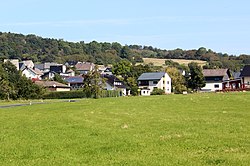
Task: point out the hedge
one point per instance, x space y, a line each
78 94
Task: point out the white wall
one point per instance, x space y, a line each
168 84
62 89
29 74
145 92
109 87
247 82
210 87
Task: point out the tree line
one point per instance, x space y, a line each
41 49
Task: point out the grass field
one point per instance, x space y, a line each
161 62
197 129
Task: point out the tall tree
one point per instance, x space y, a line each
93 83
122 68
177 80
196 79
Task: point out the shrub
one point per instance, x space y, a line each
157 92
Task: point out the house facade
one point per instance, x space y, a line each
84 67
31 73
147 82
216 79
113 83
245 75
75 82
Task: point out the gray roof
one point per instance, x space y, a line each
151 76
74 79
246 71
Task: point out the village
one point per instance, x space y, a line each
216 80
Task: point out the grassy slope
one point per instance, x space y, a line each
200 129
161 62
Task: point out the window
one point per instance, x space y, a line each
216 85
167 82
155 82
216 79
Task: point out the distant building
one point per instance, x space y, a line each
113 83
75 82
147 82
84 67
15 62
53 85
220 79
58 68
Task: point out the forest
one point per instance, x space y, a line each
41 50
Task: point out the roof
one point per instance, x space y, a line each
214 72
51 84
74 79
39 66
151 76
87 66
35 71
114 81
48 64
28 63
39 72
246 71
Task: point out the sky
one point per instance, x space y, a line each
220 25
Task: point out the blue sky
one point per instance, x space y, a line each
221 25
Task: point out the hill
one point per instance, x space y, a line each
41 49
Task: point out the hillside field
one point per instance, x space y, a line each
194 129
161 62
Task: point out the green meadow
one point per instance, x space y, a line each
195 129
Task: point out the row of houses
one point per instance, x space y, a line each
216 79
42 74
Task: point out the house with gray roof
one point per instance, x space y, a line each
215 79
147 82
114 83
75 82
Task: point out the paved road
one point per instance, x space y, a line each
32 103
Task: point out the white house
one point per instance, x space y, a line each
216 79
156 80
31 73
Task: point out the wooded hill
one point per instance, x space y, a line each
41 49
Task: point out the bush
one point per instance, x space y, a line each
157 92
